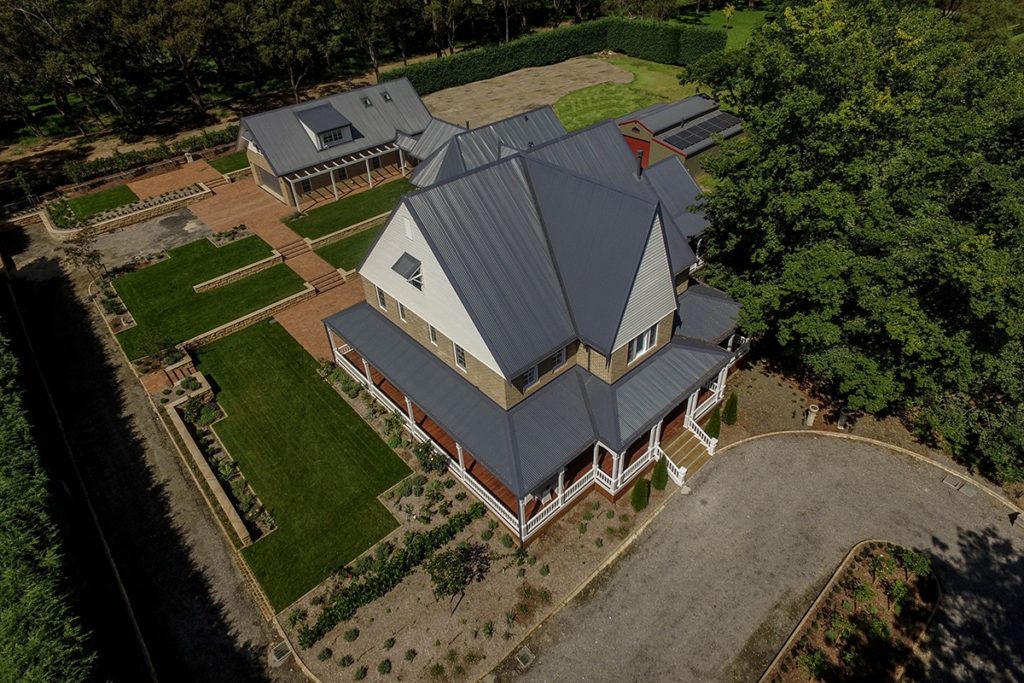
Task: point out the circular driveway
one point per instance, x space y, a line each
715 585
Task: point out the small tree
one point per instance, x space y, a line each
641 495
895 592
659 478
453 570
728 11
813 663
861 593
731 411
714 426
915 562
842 626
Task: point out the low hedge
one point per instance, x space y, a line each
81 171
658 41
383 578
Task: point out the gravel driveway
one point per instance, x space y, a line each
716 584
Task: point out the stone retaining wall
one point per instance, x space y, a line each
202 465
224 330
339 235
238 274
232 176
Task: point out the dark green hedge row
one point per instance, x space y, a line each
40 637
658 41
386 575
80 171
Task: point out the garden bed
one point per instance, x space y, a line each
867 621
226 237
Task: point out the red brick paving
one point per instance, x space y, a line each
304 321
309 266
183 176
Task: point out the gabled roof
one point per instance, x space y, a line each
322 118
437 134
706 314
406 265
658 118
678 192
480 146
281 138
527 445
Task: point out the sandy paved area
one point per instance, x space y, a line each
497 98
162 233
716 584
183 176
304 321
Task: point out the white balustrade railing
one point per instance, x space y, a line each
677 473
538 519
628 473
503 513
702 436
604 480
572 491
709 403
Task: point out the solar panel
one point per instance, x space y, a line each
701 130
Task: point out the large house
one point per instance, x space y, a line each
335 145
681 129
534 319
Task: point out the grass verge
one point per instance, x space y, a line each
232 162
740 28
349 252
332 217
315 464
89 205
166 308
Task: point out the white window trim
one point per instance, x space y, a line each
401 312
416 279
648 337
432 334
530 377
558 359
382 300
455 352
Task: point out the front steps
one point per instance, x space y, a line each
293 249
328 281
686 450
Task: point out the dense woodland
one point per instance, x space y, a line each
145 66
872 219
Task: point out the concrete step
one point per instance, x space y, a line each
323 283
293 249
217 182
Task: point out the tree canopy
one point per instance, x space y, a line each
871 220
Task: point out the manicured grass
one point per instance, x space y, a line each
739 28
652 83
232 162
350 210
349 252
168 311
89 205
315 464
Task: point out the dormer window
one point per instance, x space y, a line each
335 136
528 378
367 102
386 95
409 267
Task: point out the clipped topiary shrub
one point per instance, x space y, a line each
732 408
641 495
714 425
659 478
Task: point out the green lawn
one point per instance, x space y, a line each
168 311
349 252
315 464
652 83
740 28
232 162
331 217
89 205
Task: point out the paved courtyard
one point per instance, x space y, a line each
162 233
716 584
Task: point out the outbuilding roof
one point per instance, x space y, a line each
394 107
663 116
706 313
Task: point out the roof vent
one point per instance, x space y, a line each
367 102
386 95
639 162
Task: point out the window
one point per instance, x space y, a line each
367 102
334 136
642 344
306 186
381 300
558 360
401 311
433 334
416 279
375 162
386 95
528 378
460 355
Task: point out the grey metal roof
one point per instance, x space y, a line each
598 151
678 192
486 231
281 138
597 236
480 146
696 135
527 445
436 134
707 313
406 265
406 142
660 117
321 118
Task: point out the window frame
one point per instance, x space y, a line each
402 312
558 358
332 137
432 334
382 300
529 378
649 339
416 279
458 351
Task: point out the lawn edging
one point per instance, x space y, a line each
308 292
348 231
239 273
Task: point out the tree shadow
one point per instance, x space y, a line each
185 624
978 633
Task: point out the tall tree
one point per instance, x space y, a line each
287 34
365 22
872 219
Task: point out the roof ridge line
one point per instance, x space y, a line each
588 179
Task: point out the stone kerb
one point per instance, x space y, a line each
308 292
339 235
239 273
206 392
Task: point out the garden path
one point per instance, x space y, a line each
718 581
183 176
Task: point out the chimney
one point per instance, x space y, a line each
639 163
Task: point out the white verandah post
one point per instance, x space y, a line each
366 367
334 185
462 462
561 485
408 407
617 469
522 519
401 159
691 403
295 196
720 385
369 173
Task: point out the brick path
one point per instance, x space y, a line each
304 321
183 176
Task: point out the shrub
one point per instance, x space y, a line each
389 643
544 570
486 534
429 458
346 661
489 629
324 654
360 674
190 383
641 495
384 668
914 562
731 411
207 415
350 635
192 409
665 42
813 663
659 477
714 426
410 655
437 670
506 540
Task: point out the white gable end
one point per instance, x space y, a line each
653 295
437 303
